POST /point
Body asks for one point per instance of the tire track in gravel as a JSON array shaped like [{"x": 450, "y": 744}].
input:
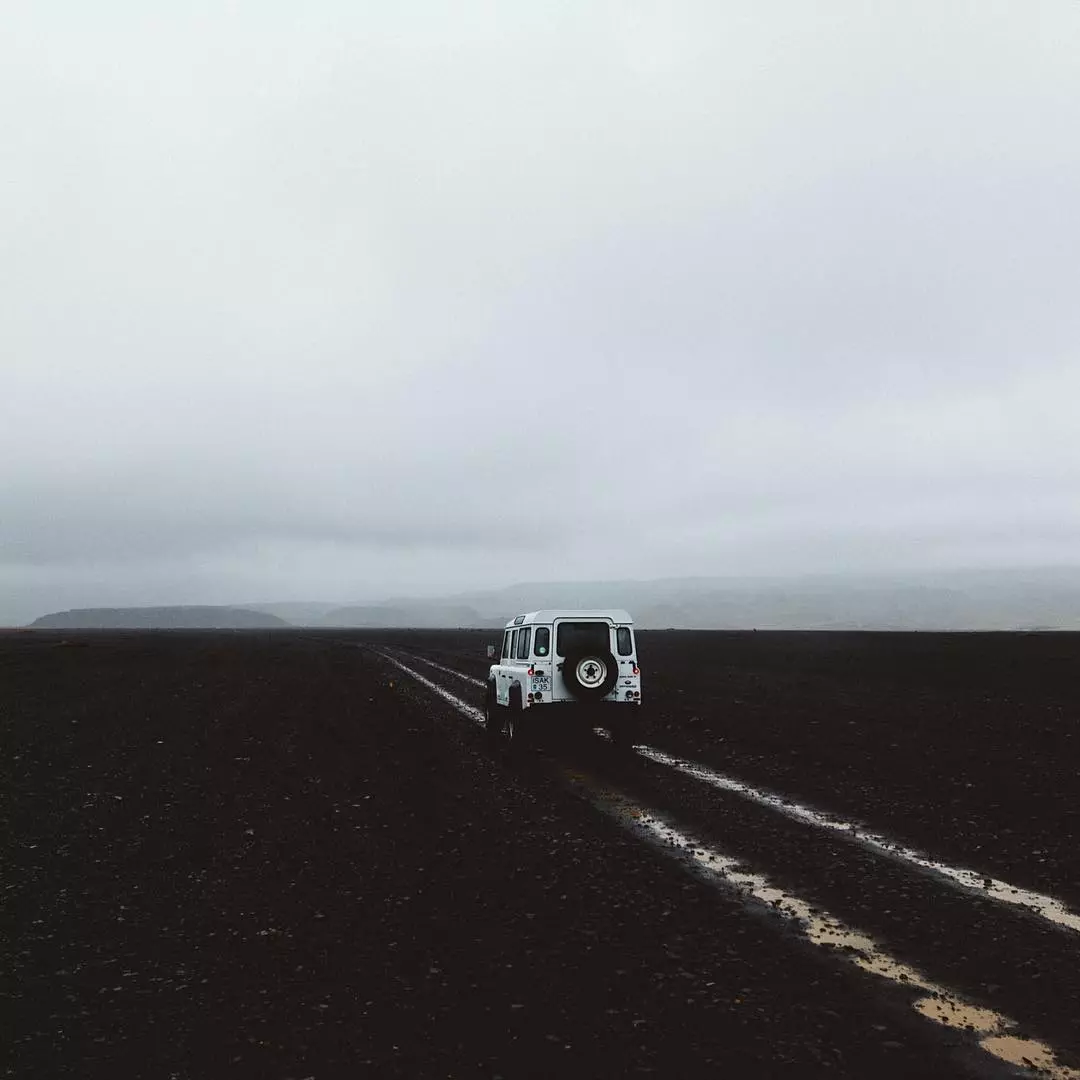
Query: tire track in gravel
[
  {"x": 797, "y": 869},
  {"x": 291, "y": 860},
  {"x": 1047, "y": 907},
  {"x": 976, "y": 735}
]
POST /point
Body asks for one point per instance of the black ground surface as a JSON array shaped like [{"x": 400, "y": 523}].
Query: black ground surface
[
  {"x": 965, "y": 745},
  {"x": 272, "y": 855},
  {"x": 1000, "y": 956}
]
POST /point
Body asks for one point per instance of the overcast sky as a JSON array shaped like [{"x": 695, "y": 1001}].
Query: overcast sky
[{"x": 345, "y": 300}]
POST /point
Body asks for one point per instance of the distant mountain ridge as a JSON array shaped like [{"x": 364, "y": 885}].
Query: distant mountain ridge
[
  {"x": 424, "y": 615},
  {"x": 1040, "y": 599},
  {"x": 159, "y": 618}
]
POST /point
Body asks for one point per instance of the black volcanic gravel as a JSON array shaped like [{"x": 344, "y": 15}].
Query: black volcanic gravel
[
  {"x": 964, "y": 745},
  {"x": 265, "y": 855},
  {"x": 1000, "y": 956}
]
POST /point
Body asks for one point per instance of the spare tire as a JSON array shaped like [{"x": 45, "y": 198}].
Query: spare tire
[{"x": 590, "y": 674}]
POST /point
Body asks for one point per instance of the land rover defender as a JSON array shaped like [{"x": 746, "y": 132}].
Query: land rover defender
[{"x": 560, "y": 668}]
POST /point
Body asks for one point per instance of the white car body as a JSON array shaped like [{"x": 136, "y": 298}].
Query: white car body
[{"x": 551, "y": 659}]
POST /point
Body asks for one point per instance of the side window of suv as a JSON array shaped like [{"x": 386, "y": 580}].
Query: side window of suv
[
  {"x": 513, "y": 644},
  {"x": 523, "y": 642},
  {"x": 542, "y": 645},
  {"x": 506, "y": 645},
  {"x": 623, "y": 641}
]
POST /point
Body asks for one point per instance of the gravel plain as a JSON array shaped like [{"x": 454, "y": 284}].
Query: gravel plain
[{"x": 274, "y": 855}]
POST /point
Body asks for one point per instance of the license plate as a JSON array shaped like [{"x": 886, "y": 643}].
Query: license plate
[{"x": 541, "y": 683}]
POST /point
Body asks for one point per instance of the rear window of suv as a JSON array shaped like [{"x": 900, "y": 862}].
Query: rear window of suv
[
  {"x": 581, "y": 636},
  {"x": 624, "y": 641}
]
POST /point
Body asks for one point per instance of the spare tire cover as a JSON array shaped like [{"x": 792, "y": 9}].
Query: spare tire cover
[{"x": 590, "y": 674}]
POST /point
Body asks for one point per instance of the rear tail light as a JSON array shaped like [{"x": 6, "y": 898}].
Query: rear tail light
[
  {"x": 529, "y": 697},
  {"x": 637, "y": 670},
  {"x": 530, "y": 670}
]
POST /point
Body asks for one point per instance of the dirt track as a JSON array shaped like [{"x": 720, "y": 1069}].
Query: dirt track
[
  {"x": 969, "y": 743},
  {"x": 275, "y": 855}
]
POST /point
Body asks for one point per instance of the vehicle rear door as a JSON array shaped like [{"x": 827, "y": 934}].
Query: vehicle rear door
[{"x": 570, "y": 635}]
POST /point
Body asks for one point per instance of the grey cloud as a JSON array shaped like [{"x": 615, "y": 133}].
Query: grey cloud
[
  {"x": 170, "y": 513},
  {"x": 348, "y": 300}
]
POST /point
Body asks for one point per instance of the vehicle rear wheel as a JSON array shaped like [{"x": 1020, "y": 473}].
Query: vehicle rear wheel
[
  {"x": 492, "y": 714},
  {"x": 513, "y": 729}
]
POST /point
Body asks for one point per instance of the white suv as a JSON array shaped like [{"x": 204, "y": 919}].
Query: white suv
[{"x": 560, "y": 665}]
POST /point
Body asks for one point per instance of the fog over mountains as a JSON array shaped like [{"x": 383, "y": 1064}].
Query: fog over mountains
[
  {"x": 201, "y": 617},
  {"x": 1042, "y": 599},
  {"x": 969, "y": 600}
]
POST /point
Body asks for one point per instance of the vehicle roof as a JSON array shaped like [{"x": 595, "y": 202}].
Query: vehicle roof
[{"x": 549, "y": 615}]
